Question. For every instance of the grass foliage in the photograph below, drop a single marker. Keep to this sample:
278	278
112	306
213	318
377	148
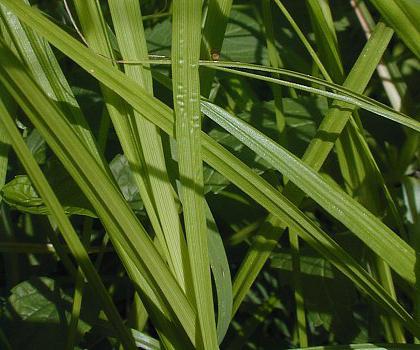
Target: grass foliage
201	175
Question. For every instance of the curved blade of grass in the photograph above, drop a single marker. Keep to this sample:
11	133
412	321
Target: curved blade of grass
214	155
399	255
186	38
346	95
315	155
58	36
361	175
264	194
70	235
126	232
303	39
129	29
374	107
221	273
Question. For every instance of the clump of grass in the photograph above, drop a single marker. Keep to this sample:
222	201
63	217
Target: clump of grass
216	175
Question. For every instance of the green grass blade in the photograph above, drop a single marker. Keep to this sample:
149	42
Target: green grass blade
276	62
40	59
126	233
128	26
399	255
284	210
363	102
65	226
96	33
302	38
213	154
404	17
298	292
221	275
362	177
186	29
212	38
75	311
327	42
315	155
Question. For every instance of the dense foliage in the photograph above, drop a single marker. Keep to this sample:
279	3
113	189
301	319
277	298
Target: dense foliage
281	209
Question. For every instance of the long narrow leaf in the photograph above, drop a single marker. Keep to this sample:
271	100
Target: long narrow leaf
399	255
186	29
216	156
123	227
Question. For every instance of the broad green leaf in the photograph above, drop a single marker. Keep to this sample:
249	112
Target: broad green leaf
37	146
213	181
20	194
251	47
124	176
36	314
